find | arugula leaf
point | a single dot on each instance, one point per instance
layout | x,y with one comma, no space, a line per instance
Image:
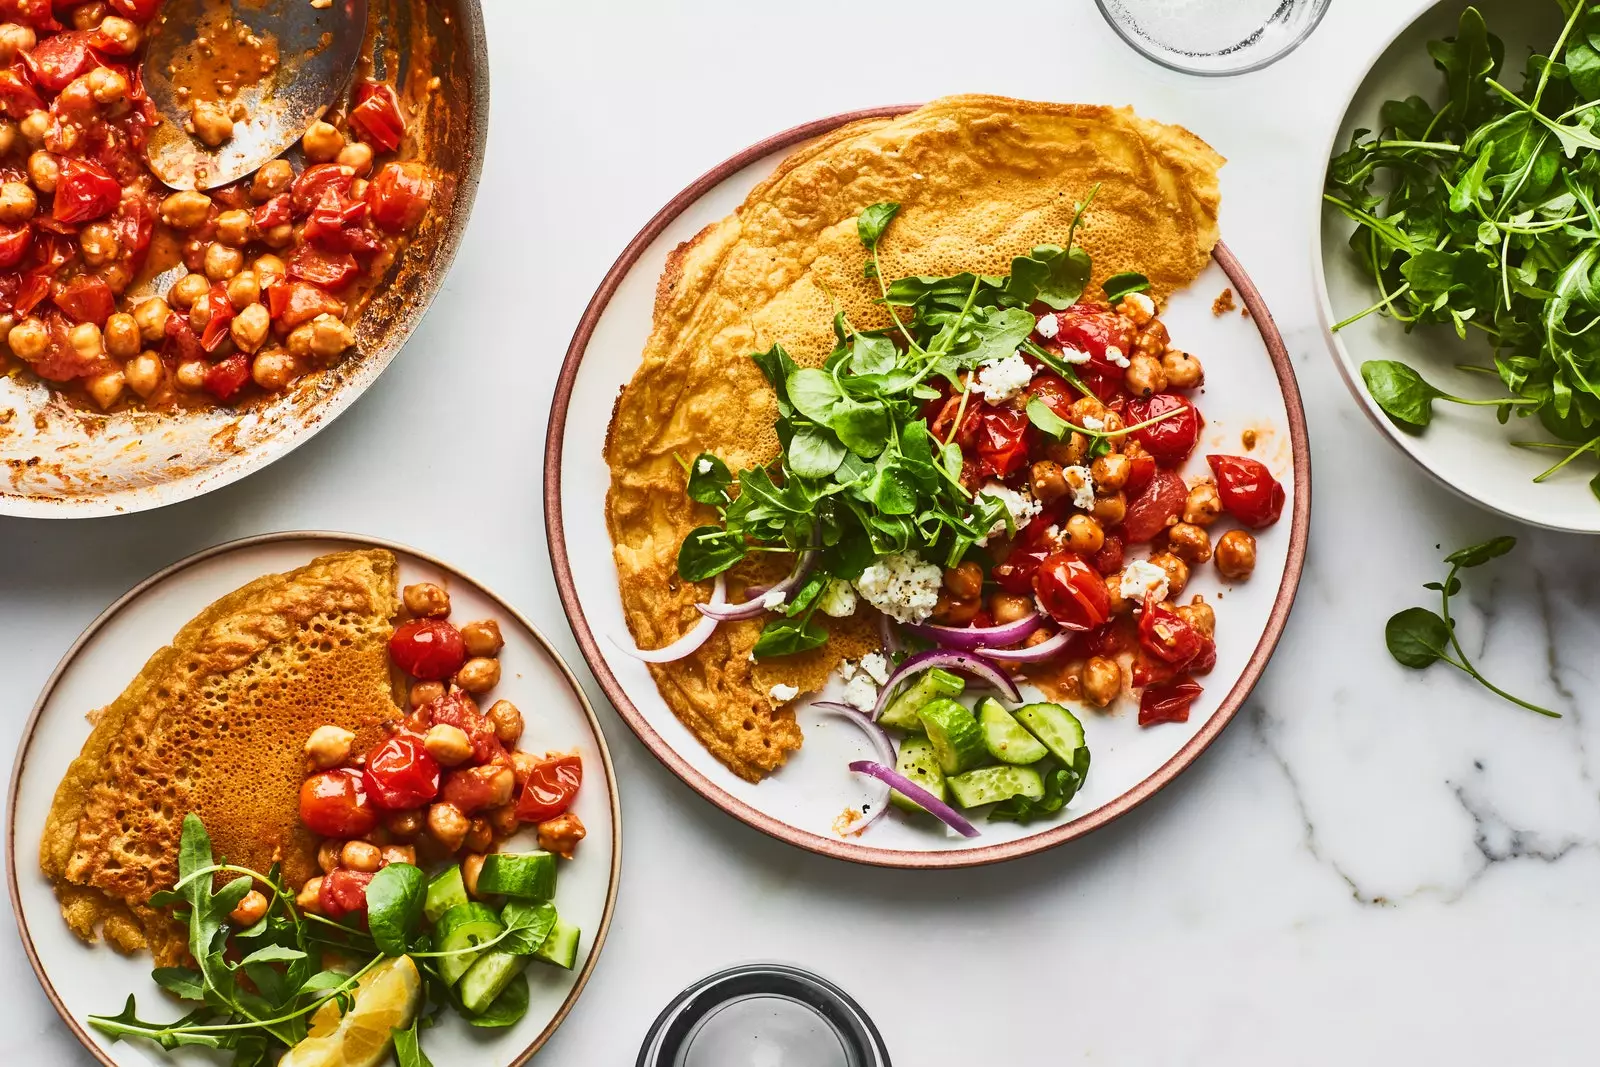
709,480
708,551
394,906
777,366
1416,637
1043,417
1468,60
1478,555
185,983
862,427
815,453
785,637
874,220
1050,274
1120,285
408,1050
814,393
527,926
1400,392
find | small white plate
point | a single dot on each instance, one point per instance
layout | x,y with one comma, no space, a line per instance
1464,447
1250,385
81,980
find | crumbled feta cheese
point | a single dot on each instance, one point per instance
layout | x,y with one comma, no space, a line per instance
1001,379
704,466
1141,578
847,669
1073,355
1047,326
1115,357
1021,505
838,600
861,694
783,693
1082,484
877,666
1092,423
901,586
774,600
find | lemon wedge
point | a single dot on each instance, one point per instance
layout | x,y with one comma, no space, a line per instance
386,1000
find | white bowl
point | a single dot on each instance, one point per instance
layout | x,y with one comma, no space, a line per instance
1464,448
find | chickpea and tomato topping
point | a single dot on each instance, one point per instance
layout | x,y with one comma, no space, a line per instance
1236,555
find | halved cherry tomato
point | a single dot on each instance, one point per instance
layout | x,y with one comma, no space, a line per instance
377,116
399,195
1248,490
1001,444
181,343
1091,329
335,804
458,709
1015,573
291,302
59,58
945,416
307,188
86,298
1072,592
550,788
1169,702
1112,639
1151,670
1141,468
136,220
1172,439
430,649
400,774
1155,508
18,97
1054,392
34,288
1167,635
1108,560
273,212
329,270
333,213
220,309
343,892
84,192
224,380
14,244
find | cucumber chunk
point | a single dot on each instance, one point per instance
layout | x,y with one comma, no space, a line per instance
523,875
930,685
1004,736
955,735
446,891
988,785
561,947
488,978
917,762
464,926
1060,731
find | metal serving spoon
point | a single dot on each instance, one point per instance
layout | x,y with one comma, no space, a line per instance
276,64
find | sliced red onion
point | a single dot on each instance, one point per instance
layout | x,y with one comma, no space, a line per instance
880,744
932,804
755,604
697,635
968,637
888,635
1043,650
969,662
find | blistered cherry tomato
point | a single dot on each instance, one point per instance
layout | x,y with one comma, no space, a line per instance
1108,560
330,270
1248,490
1167,635
1015,573
14,244
400,774
430,649
551,786
335,804
944,418
17,95
84,192
458,709
1072,592
86,298
1169,702
221,311
377,116
291,302
1092,328
1001,445
1112,639
343,892
180,343
1141,468
1172,439
399,195
224,380
1153,509
308,186
59,58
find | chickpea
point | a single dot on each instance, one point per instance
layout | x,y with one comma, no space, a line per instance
251,907
1189,542
280,236
480,836
86,340
244,289
99,244
1119,604
249,328
191,375
1087,407
222,262
1100,681
151,316
273,178
117,276
235,228
404,823
33,127
955,611
1177,571
1204,505
29,339
357,156
1152,340
425,693
522,765
106,389
322,142
471,867
62,137
268,267
1183,370
88,16
1236,555
1137,308
105,85
17,203
119,36
329,745
1198,613
44,170
309,897
448,744
122,336
503,820
426,600
1070,452
1110,509
1046,480
186,210
8,136
399,854
1009,607
482,638
358,189
1084,535
328,855
211,122
187,290
15,39
273,368
1110,472
1112,423
964,581
361,856
506,720
329,336
479,674
144,373
1144,376
200,313
447,825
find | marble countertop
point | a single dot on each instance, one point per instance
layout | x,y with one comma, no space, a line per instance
1367,859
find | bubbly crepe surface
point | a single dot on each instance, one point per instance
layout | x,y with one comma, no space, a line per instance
216,724
980,180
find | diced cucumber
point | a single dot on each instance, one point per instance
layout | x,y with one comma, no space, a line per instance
1004,736
524,875
488,978
445,892
1060,731
930,685
561,947
462,927
955,735
918,763
988,785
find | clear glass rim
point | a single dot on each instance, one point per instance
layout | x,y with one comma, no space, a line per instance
1142,47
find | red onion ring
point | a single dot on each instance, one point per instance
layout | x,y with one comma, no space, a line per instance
880,745
756,604
888,635
697,635
1043,650
932,804
969,638
968,662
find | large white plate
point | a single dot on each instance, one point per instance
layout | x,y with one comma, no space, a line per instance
1249,386
82,980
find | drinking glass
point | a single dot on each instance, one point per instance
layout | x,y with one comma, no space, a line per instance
1214,37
